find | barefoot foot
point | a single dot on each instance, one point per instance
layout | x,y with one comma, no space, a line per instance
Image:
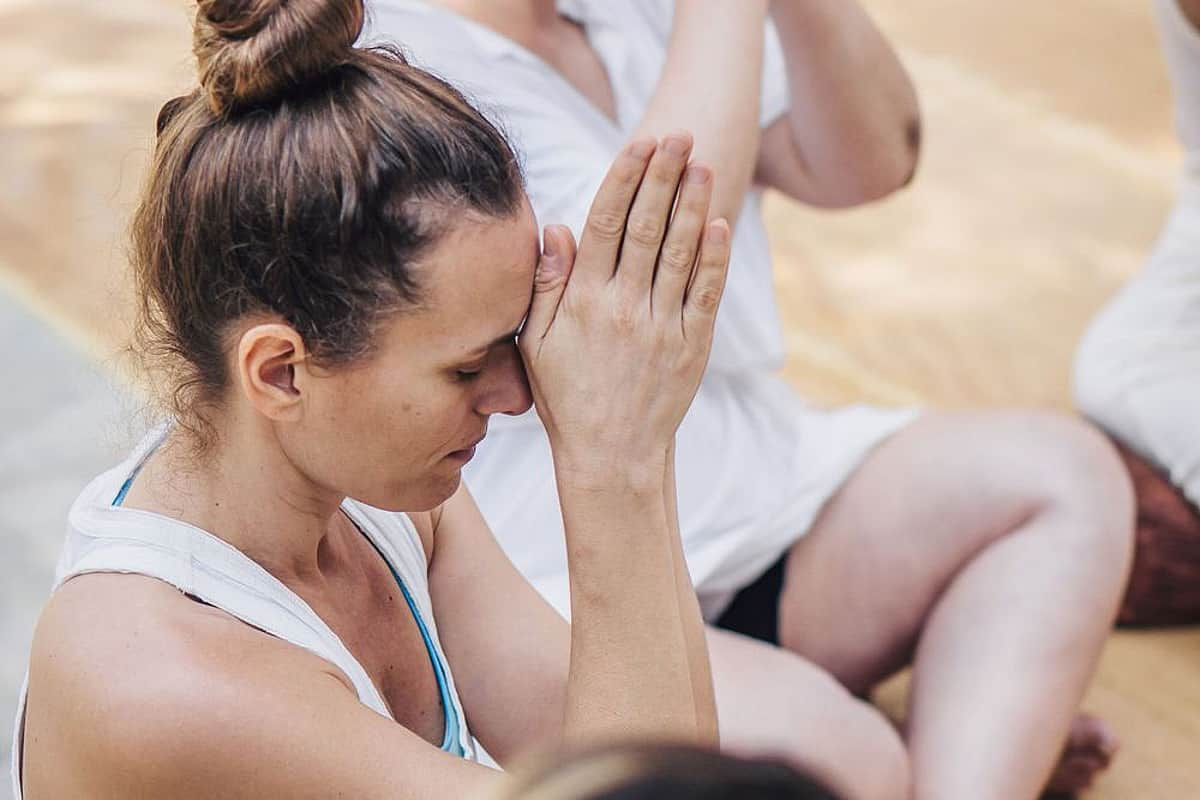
1091,745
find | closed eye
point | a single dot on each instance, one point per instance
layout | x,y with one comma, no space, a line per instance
465,375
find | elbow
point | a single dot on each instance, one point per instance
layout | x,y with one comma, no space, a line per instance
912,150
872,179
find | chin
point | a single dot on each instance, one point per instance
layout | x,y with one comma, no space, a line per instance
425,497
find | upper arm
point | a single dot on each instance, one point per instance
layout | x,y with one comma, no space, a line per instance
509,649
843,135
208,707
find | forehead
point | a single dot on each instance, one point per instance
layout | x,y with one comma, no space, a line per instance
477,279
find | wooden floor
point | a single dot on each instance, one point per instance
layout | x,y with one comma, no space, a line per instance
1048,167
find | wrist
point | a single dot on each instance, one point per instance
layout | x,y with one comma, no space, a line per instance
628,472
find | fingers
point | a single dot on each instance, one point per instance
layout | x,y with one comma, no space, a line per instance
605,225
708,282
677,258
549,282
651,210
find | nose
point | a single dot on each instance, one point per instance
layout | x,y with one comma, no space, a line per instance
505,389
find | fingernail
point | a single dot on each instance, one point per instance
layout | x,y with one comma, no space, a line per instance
718,232
677,144
642,148
697,173
549,248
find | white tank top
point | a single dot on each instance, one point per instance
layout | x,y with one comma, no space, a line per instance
104,537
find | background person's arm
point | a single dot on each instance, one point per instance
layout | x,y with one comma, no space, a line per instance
709,85
852,130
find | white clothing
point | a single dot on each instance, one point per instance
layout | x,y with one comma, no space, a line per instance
755,464
566,144
1137,371
104,537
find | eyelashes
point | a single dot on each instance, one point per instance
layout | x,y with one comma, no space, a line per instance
468,373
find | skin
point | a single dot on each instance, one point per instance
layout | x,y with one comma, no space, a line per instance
914,559
137,690
1191,9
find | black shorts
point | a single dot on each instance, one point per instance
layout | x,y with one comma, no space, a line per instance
754,611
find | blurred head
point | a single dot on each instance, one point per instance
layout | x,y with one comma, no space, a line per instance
663,772
335,246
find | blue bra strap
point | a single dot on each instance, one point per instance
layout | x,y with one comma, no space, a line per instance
450,742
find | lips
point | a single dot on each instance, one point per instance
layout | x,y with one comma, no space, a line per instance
467,452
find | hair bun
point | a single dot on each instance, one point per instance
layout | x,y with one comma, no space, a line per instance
251,52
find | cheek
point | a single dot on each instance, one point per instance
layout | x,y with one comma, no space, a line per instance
417,415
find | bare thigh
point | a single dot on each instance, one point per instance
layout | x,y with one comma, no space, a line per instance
859,587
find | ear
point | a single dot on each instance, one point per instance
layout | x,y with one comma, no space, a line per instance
267,357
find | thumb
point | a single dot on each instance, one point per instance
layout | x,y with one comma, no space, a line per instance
549,281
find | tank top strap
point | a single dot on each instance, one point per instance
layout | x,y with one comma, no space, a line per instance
103,536
123,540
396,539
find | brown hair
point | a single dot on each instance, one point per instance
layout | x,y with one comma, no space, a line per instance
647,771
302,179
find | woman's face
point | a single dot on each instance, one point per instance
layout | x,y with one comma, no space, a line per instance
396,430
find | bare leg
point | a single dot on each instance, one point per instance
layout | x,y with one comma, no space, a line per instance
773,703
991,550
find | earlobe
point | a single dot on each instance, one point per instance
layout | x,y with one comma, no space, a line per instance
267,356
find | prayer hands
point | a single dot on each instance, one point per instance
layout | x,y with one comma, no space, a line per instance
619,330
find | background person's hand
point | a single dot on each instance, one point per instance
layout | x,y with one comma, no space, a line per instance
619,332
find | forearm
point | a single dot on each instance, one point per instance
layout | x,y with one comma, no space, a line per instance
710,85
854,118
630,667
693,621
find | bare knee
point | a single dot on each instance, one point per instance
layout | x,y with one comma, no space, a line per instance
875,762
1084,494
883,769
848,745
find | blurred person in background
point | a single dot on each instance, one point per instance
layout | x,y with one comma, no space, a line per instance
662,772
1137,371
989,550
287,591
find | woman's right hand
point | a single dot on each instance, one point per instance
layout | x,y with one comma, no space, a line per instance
619,330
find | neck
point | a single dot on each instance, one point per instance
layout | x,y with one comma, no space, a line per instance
246,491
516,19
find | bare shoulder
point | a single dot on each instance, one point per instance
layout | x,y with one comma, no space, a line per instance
130,681
117,629
138,691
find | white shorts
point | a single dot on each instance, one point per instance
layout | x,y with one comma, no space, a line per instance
754,466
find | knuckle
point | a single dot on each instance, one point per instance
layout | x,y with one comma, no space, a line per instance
677,257
706,297
606,225
665,172
644,231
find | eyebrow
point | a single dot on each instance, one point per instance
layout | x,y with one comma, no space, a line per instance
501,339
